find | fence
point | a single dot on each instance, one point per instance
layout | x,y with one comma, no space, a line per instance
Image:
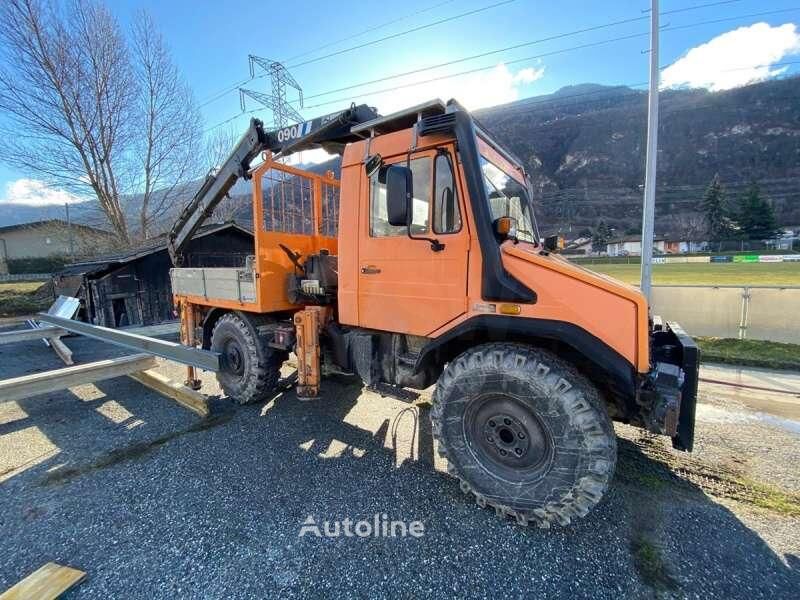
751,312
691,258
25,277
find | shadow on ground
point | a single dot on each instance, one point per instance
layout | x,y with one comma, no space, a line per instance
178,506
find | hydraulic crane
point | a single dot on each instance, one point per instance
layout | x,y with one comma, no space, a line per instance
330,132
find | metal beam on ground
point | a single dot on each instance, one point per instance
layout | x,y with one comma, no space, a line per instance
203,359
24,335
18,388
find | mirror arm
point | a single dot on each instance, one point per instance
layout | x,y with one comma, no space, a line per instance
436,245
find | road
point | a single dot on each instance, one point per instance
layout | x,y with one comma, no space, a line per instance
154,502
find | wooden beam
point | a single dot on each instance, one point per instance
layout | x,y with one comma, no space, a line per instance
23,335
185,396
46,583
63,352
17,388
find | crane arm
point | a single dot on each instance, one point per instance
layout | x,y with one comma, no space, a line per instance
330,132
216,187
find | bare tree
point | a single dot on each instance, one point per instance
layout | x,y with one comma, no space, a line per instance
75,100
219,144
690,226
64,89
168,132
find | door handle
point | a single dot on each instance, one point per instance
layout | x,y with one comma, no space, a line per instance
370,270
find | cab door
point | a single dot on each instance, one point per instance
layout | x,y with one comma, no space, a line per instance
404,285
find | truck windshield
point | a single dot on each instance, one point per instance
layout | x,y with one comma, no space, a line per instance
508,198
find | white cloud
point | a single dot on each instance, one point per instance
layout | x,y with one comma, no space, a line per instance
477,90
528,75
36,193
310,157
734,58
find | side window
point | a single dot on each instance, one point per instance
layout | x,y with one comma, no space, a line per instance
446,214
379,215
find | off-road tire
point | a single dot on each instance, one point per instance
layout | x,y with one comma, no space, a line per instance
250,369
568,460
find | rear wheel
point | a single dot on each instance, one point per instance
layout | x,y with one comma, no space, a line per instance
524,432
249,368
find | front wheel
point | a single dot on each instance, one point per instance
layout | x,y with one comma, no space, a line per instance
524,432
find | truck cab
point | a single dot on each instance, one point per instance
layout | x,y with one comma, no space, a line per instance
423,266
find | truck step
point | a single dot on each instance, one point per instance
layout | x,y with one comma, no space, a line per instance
408,358
393,391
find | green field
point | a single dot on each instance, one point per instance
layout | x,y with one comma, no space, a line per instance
708,273
754,353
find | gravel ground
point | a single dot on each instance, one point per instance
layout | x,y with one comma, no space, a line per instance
154,502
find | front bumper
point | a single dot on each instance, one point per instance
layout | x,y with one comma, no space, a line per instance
672,385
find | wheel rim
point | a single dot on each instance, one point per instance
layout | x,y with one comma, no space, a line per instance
507,437
234,358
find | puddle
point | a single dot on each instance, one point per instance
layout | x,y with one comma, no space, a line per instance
715,414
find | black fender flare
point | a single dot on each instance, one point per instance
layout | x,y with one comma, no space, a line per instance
209,320
602,360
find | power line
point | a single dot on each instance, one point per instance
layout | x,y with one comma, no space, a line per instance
582,46
402,33
611,91
368,30
528,58
232,88
521,45
488,53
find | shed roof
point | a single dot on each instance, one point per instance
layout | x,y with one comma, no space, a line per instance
151,246
51,222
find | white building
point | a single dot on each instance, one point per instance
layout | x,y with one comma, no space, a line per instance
632,246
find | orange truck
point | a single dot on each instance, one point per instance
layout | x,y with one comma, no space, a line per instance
422,266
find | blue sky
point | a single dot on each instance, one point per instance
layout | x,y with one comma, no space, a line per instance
211,40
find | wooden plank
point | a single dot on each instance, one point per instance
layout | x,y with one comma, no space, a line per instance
24,335
63,352
46,583
183,395
40,383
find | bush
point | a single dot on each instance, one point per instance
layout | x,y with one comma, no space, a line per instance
49,264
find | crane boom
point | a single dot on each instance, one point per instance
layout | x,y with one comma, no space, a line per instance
330,132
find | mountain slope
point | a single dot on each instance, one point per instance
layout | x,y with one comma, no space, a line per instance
584,148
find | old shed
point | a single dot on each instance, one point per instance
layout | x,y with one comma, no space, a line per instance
133,287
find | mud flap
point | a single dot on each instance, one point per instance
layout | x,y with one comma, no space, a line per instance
689,361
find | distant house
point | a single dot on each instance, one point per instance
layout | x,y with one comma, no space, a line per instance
632,246
54,237
787,239
133,287
684,247
581,245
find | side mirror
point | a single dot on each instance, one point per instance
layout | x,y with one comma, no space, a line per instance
399,191
554,243
506,228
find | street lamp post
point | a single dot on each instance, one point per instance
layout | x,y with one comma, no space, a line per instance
648,212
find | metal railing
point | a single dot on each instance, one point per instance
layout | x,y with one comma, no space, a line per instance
24,277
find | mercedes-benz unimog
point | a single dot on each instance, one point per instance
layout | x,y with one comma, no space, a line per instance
422,266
